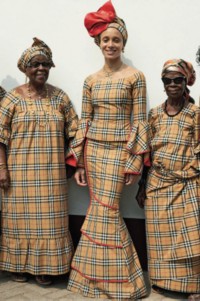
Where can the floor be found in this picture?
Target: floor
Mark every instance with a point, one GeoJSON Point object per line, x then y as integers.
{"type": "Point", "coordinates": [30, 291]}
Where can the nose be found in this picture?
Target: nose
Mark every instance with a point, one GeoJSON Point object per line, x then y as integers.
{"type": "Point", "coordinates": [110, 43]}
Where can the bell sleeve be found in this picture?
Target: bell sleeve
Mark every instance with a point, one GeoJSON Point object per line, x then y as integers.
{"type": "Point", "coordinates": [76, 147]}
{"type": "Point", "coordinates": [137, 144]}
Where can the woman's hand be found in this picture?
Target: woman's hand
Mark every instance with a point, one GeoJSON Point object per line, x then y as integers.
{"type": "Point", "coordinates": [80, 176]}
{"type": "Point", "coordinates": [141, 194]}
{"type": "Point", "coordinates": [130, 179]}
{"type": "Point", "coordinates": [4, 179]}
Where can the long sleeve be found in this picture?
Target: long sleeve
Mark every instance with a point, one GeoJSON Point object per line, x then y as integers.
{"type": "Point", "coordinates": [77, 144]}
{"type": "Point", "coordinates": [138, 141]}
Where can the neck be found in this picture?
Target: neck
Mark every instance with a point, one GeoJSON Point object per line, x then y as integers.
{"type": "Point", "coordinates": [175, 102]}
{"type": "Point", "coordinates": [112, 65]}
{"type": "Point", "coordinates": [37, 91]}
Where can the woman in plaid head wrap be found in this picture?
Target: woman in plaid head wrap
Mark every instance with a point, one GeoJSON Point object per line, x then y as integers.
{"type": "Point", "coordinates": [106, 264]}
{"type": "Point", "coordinates": [172, 202]}
{"type": "Point", "coordinates": [35, 120]}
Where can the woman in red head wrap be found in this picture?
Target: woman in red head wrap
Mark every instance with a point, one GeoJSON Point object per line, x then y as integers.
{"type": "Point", "coordinates": [172, 203]}
{"type": "Point", "coordinates": [113, 134]}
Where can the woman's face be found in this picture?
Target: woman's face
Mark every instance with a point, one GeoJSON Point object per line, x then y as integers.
{"type": "Point", "coordinates": [38, 70]}
{"type": "Point", "coordinates": [111, 43]}
{"type": "Point", "coordinates": [175, 89]}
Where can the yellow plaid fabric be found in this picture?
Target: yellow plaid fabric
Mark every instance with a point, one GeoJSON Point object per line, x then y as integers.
{"type": "Point", "coordinates": [173, 200]}
{"type": "Point", "coordinates": [106, 264]}
{"type": "Point", "coordinates": [115, 110]}
{"type": "Point", "coordinates": [35, 235]}
{"type": "Point", "coordinates": [2, 92]}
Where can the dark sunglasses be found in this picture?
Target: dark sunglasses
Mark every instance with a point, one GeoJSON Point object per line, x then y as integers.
{"type": "Point", "coordinates": [37, 64]}
{"type": "Point", "coordinates": [177, 80]}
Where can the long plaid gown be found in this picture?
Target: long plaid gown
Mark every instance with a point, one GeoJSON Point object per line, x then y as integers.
{"type": "Point", "coordinates": [173, 200]}
{"type": "Point", "coordinates": [106, 264]}
{"type": "Point", "coordinates": [35, 236]}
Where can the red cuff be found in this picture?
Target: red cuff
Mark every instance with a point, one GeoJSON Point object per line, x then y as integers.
{"type": "Point", "coordinates": [71, 161]}
{"type": "Point", "coordinates": [147, 162]}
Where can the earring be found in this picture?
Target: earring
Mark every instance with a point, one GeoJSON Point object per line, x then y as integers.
{"type": "Point", "coordinates": [123, 50]}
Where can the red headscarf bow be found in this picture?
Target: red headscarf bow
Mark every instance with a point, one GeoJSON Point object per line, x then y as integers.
{"type": "Point", "coordinates": [97, 22]}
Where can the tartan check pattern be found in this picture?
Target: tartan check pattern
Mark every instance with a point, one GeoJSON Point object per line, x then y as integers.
{"type": "Point", "coordinates": [105, 264]}
{"type": "Point", "coordinates": [35, 235]}
{"type": "Point", "coordinates": [2, 92]}
{"type": "Point", "coordinates": [114, 110]}
{"type": "Point", "coordinates": [173, 200]}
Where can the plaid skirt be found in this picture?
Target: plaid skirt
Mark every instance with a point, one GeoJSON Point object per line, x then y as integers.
{"type": "Point", "coordinates": [173, 231]}
{"type": "Point", "coordinates": [106, 264]}
{"type": "Point", "coordinates": [35, 236]}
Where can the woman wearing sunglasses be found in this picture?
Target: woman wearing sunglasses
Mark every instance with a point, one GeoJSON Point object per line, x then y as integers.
{"type": "Point", "coordinates": [35, 120]}
{"type": "Point", "coordinates": [173, 186]}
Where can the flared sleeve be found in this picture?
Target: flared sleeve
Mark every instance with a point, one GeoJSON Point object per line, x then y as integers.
{"type": "Point", "coordinates": [75, 155]}
{"type": "Point", "coordinates": [137, 144]}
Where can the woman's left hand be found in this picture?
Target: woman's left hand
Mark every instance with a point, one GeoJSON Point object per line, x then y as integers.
{"type": "Point", "coordinates": [130, 179]}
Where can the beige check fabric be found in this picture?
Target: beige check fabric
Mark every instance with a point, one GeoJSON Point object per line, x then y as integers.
{"type": "Point", "coordinates": [115, 110]}
{"type": "Point", "coordinates": [173, 200]}
{"type": "Point", "coordinates": [106, 264]}
{"type": "Point", "coordinates": [2, 92]}
{"type": "Point", "coordinates": [35, 235]}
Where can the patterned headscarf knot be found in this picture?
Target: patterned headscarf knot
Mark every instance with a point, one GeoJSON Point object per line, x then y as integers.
{"type": "Point", "coordinates": [181, 66]}
{"type": "Point", "coordinates": [105, 17]}
{"type": "Point", "coordinates": [38, 48]}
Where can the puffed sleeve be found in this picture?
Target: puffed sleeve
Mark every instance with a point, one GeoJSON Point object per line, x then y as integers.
{"type": "Point", "coordinates": [7, 108]}
{"type": "Point", "coordinates": [77, 144]}
{"type": "Point", "coordinates": [71, 118]}
{"type": "Point", "coordinates": [137, 144]}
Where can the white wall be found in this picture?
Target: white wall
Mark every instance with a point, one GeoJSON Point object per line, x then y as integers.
{"type": "Point", "coordinates": [158, 30]}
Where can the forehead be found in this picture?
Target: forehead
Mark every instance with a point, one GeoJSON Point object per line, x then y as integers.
{"type": "Point", "coordinates": [173, 74]}
{"type": "Point", "coordinates": [111, 32]}
{"type": "Point", "coordinates": [39, 58]}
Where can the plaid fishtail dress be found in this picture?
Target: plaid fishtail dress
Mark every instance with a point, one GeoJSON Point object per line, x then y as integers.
{"type": "Point", "coordinates": [35, 237]}
{"type": "Point", "coordinates": [173, 200]}
{"type": "Point", "coordinates": [106, 264]}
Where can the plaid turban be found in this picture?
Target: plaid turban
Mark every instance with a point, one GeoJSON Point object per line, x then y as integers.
{"type": "Point", "coordinates": [181, 66]}
{"type": "Point", "coordinates": [38, 48]}
{"type": "Point", "coordinates": [105, 17]}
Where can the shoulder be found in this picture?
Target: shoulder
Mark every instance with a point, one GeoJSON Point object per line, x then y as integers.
{"type": "Point", "coordinates": [136, 74]}
{"type": "Point", "coordinates": [156, 111]}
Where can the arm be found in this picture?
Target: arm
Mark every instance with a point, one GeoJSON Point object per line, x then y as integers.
{"type": "Point", "coordinates": [137, 144]}
{"type": "Point", "coordinates": [4, 173]}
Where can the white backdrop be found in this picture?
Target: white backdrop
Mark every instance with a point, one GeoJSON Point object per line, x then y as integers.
{"type": "Point", "coordinates": [158, 30]}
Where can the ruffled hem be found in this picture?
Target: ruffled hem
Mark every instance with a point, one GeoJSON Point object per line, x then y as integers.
{"type": "Point", "coordinates": [36, 256]}
{"type": "Point", "coordinates": [77, 144]}
{"type": "Point", "coordinates": [138, 140]}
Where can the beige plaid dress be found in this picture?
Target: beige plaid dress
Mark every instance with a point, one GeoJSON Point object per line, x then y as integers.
{"type": "Point", "coordinates": [173, 200]}
{"type": "Point", "coordinates": [106, 264]}
{"type": "Point", "coordinates": [35, 236]}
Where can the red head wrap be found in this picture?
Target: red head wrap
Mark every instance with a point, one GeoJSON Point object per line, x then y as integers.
{"type": "Point", "coordinates": [97, 22]}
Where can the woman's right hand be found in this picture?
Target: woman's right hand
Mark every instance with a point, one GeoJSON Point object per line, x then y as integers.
{"type": "Point", "coordinates": [141, 195]}
{"type": "Point", "coordinates": [80, 176]}
{"type": "Point", "coordinates": [4, 179]}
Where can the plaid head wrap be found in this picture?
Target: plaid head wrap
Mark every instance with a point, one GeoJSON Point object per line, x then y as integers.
{"type": "Point", "coordinates": [38, 48]}
{"type": "Point", "coordinates": [183, 67]}
{"type": "Point", "coordinates": [105, 17]}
